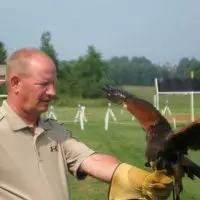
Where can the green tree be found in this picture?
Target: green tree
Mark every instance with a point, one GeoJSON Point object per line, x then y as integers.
{"type": "Point", "coordinates": [47, 46]}
{"type": "Point", "coordinates": [195, 67]}
{"type": "Point", "coordinates": [3, 53]}
{"type": "Point", "coordinates": [183, 66]}
{"type": "Point", "coordinates": [88, 74]}
{"type": "Point", "coordinates": [64, 81]}
{"type": "Point", "coordinates": [187, 65]}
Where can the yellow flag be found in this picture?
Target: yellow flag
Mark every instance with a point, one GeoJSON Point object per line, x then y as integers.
{"type": "Point", "coordinates": [191, 74]}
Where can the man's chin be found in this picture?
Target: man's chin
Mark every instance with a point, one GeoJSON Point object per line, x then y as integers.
{"type": "Point", "coordinates": [43, 107]}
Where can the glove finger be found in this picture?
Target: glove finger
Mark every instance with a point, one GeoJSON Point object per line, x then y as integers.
{"type": "Point", "coordinates": [157, 196]}
{"type": "Point", "coordinates": [159, 189]}
{"type": "Point", "coordinates": [156, 185]}
{"type": "Point", "coordinates": [166, 180]}
{"type": "Point", "coordinates": [162, 178]}
{"type": "Point", "coordinates": [151, 195]}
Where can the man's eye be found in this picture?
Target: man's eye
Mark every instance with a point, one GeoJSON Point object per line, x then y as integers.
{"type": "Point", "coordinates": [43, 84]}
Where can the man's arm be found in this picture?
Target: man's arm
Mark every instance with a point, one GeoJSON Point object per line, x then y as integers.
{"type": "Point", "coordinates": [127, 181]}
{"type": "Point", "coordinates": [100, 166]}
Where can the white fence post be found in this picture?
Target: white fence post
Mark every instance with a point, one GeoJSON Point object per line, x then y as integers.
{"type": "Point", "coordinates": [109, 113]}
{"type": "Point", "coordinates": [80, 116]}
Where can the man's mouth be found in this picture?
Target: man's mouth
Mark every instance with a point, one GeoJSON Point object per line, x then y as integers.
{"type": "Point", "coordinates": [45, 101]}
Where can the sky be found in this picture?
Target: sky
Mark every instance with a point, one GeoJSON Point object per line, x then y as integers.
{"type": "Point", "coordinates": [161, 30]}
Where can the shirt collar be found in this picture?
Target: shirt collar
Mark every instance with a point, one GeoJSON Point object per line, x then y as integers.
{"type": "Point", "coordinates": [15, 121]}
{"type": "Point", "coordinates": [18, 123]}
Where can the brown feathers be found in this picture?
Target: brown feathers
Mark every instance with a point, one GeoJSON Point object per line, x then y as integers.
{"type": "Point", "coordinates": [165, 149]}
{"type": "Point", "coordinates": [144, 111]}
{"type": "Point", "coordinates": [186, 138]}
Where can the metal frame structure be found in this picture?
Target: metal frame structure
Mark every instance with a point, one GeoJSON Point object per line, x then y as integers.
{"type": "Point", "coordinates": [191, 93]}
{"type": "Point", "coordinates": [2, 78]}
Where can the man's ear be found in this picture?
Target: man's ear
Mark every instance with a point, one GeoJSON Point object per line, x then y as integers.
{"type": "Point", "coordinates": [15, 83]}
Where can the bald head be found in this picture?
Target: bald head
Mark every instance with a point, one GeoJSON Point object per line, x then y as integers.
{"type": "Point", "coordinates": [21, 61]}
{"type": "Point", "coordinates": [30, 78]}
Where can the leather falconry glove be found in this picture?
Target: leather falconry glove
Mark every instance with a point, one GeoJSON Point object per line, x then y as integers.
{"type": "Point", "coordinates": [129, 182]}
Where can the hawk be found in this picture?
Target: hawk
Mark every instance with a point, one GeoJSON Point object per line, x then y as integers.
{"type": "Point", "coordinates": [166, 149]}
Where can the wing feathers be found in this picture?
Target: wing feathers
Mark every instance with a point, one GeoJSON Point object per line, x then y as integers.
{"type": "Point", "coordinates": [186, 138]}
{"type": "Point", "coordinates": [153, 121]}
{"type": "Point", "coordinates": [144, 111]}
{"type": "Point", "coordinates": [190, 168]}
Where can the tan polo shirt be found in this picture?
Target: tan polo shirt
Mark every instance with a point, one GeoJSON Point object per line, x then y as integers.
{"type": "Point", "coordinates": [35, 166]}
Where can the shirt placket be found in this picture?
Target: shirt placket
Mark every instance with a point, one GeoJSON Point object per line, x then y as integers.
{"type": "Point", "coordinates": [49, 195]}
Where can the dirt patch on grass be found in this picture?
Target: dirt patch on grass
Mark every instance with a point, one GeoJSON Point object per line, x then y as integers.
{"type": "Point", "coordinates": [181, 117]}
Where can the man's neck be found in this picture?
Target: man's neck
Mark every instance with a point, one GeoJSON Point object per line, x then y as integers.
{"type": "Point", "coordinates": [29, 118]}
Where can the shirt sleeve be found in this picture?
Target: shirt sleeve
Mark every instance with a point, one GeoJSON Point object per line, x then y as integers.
{"type": "Point", "coordinates": [75, 153]}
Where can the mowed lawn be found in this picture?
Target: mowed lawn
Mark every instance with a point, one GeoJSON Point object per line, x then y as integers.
{"type": "Point", "coordinates": [127, 143]}
{"type": "Point", "coordinates": [124, 139]}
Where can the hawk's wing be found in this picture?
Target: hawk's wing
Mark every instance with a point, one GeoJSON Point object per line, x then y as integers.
{"type": "Point", "coordinates": [145, 112]}
{"type": "Point", "coordinates": [186, 138]}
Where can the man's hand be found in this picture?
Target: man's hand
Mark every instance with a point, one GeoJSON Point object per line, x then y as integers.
{"type": "Point", "coordinates": [130, 182]}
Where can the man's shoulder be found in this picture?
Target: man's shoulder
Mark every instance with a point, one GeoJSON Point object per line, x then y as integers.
{"type": "Point", "coordinates": [4, 123]}
{"type": "Point", "coordinates": [48, 123]}
{"type": "Point", "coordinates": [55, 126]}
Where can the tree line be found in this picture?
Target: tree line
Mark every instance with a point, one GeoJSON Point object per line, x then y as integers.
{"type": "Point", "coordinates": [84, 77]}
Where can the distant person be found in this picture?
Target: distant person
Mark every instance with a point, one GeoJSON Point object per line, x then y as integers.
{"type": "Point", "coordinates": [37, 154]}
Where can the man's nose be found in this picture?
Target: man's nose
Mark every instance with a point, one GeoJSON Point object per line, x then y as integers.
{"type": "Point", "coordinates": [51, 91]}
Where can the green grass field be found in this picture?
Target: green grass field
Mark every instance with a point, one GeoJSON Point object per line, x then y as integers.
{"type": "Point", "coordinates": [124, 139]}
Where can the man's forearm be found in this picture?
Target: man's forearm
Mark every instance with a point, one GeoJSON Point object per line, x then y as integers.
{"type": "Point", "coordinates": [100, 166]}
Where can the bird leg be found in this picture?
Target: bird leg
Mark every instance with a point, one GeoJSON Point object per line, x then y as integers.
{"type": "Point", "coordinates": [178, 185]}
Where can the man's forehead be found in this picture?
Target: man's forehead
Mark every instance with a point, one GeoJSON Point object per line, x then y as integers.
{"type": "Point", "coordinates": [42, 65]}
{"type": "Point", "coordinates": [40, 71]}
{"type": "Point", "coordinates": [44, 75]}
{"type": "Point", "coordinates": [42, 59]}
{"type": "Point", "coordinates": [45, 78]}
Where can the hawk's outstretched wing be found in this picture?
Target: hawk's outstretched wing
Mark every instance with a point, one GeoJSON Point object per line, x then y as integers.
{"type": "Point", "coordinates": [186, 138]}
{"type": "Point", "coordinates": [145, 112]}
{"type": "Point", "coordinates": [149, 117]}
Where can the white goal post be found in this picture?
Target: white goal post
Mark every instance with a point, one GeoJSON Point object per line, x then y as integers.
{"type": "Point", "coordinates": [1, 83]}
{"type": "Point", "coordinates": [191, 93]}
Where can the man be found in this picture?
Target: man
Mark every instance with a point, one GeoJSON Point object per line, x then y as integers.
{"type": "Point", "coordinates": [37, 154]}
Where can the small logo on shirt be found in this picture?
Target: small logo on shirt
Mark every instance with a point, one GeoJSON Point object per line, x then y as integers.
{"type": "Point", "coordinates": [53, 146]}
